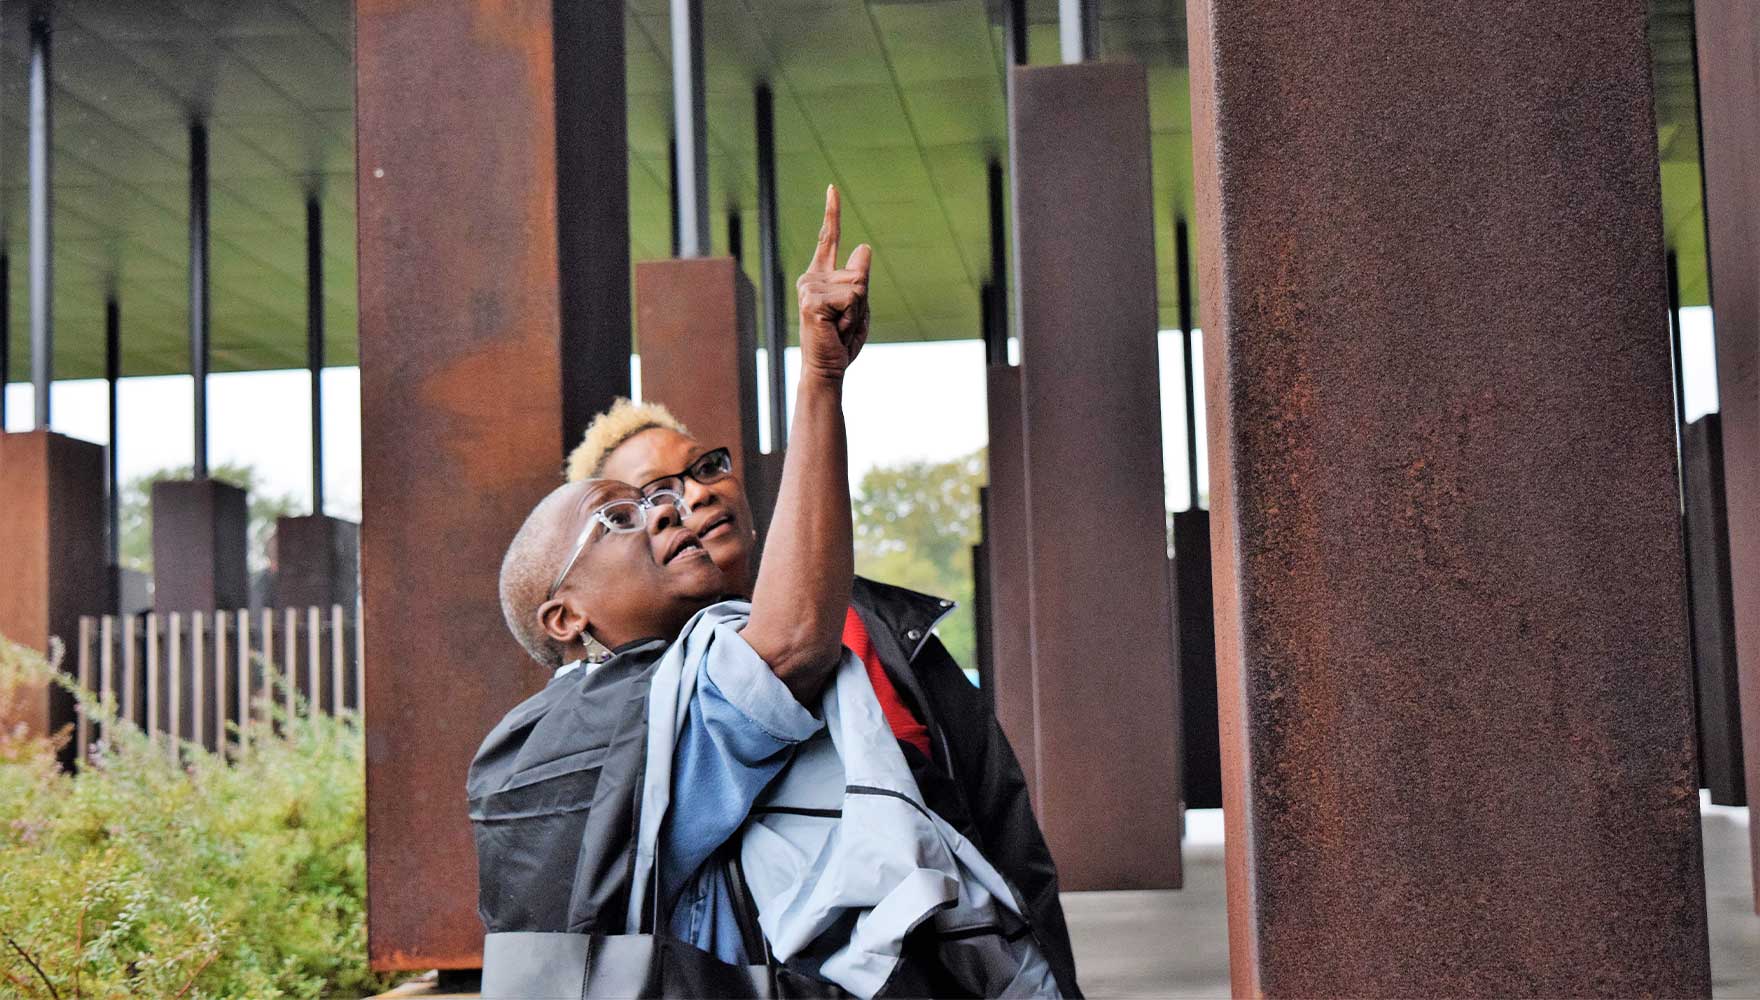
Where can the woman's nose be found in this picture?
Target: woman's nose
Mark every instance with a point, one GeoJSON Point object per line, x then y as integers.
{"type": "Point", "coordinates": [698, 495]}
{"type": "Point", "coordinates": [662, 516]}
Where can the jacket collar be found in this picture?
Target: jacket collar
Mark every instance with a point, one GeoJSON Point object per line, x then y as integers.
{"type": "Point", "coordinates": [905, 615]}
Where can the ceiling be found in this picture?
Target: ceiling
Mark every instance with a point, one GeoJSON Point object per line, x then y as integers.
{"type": "Point", "coordinates": [903, 116]}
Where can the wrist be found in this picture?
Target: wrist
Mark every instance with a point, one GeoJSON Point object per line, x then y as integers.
{"type": "Point", "coordinates": [818, 378]}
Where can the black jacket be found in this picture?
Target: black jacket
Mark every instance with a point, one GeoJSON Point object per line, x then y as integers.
{"type": "Point", "coordinates": [553, 788]}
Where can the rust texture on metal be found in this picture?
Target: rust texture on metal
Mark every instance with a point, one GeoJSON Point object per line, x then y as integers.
{"type": "Point", "coordinates": [1714, 632]}
{"type": "Point", "coordinates": [200, 528]}
{"type": "Point", "coordinates": [316, 561]}
{"type": "Point", "coordinates": [464, 354]}
{"type": "Point", "coordinates": [1194, 612]}
{"type": "Point", "coordinates": [1456, 717]}
{"type": "Point", "coordinates": [52, 521]}
{"type": "Point", "coordinates": [1005, 547]}
{"type": "Point", "coordinates": [1106, 702]}
{"type": "Point", "coordinates": [1728, 34]}
{"type": "Point", "coordinates": [696, 324]}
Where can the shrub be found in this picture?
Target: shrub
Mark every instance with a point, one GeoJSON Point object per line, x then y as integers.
{"type": "Point", "coordinates": [160, 874]}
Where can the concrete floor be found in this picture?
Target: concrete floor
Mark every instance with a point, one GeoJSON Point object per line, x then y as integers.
{"type": "Point", "coordinates": [1175, 944]}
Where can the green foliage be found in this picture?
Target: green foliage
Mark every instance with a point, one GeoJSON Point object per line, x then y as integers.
{"type": "Point", "coordinates": [134, 513]}
{"type": "Point", "coordinates": [140, 875]}
{"type": "Point", "coordinates": [915, 525]}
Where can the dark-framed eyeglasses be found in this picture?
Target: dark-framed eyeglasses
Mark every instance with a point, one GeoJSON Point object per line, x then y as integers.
{"type": "Point", "coordinates": [619, 517]}
{"type": "Point", "coordinates": [709, 467]}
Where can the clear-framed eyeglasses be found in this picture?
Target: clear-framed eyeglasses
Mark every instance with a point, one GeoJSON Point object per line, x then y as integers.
{"type": "Point", "coordinates": [619, 517]}
{"type": "Point", "coordinates": [709, 467]}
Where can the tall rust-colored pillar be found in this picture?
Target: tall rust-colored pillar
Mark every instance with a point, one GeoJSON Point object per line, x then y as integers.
{"type": "Point", "coordinates": [1729, 114]}
{"type": "Point", "coordinates": [200, 532]}
{"type": "Point", "coordinates": [494, 319]}
{"type": "Point", "coordinates": [696, 329]}
{"type": "Point", "coordinates": [317, 560]}
{"type": "Point", "coordinates": [1107, 711]}
{"type": "Point", "coordinates": [1005, 546]}
{"type": "Point", "coordinates": [52, 520]}
{"type": "Point", "coordinates": [1456, 716]}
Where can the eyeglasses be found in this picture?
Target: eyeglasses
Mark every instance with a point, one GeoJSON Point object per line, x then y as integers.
{"type": "Point", "coordinates": [709, 467]}
{"type": "Point", "coordinates": [620, 517]}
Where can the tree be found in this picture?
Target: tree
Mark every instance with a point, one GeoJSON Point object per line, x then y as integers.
{"type": "Point", "coordinates": [135, 514]}
{"type": "Point", "coordinates": [915, 525]}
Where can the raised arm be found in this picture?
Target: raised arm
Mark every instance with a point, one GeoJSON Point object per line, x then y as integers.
{"type": "Point", "coordinates": [803, 587]}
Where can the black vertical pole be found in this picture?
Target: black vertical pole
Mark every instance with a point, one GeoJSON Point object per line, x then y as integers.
{"type": "Point", "coordinates": [689, 128]}
{"type": "Point", "coordinates": [198, 289]}
{"type": "Point", "coordinates": [996, 327]}
{"type": "Point", "coordinates": [736, 236]}
{"type": "Point", "coordinates": [672, 193]}
{"type": "Point", "coordinates": [5, 331]}
{"type": "Point", "coordinates": [1182, 262]}
{"type": "Point", "coordinates": [315, 340]}
{"type": "Point", "coordinates": [1014, 41]}
{"type": "Point", "coordinates": [1674, 336]}
{"type": "Point", "coordinates": [113, 374]}
{"type": "Point", "coordinates": [42, 218]}
{"type": "Point", "coordinates": [770, 269]}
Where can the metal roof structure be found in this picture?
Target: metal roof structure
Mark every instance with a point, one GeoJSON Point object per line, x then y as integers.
{"type": "Point", "coordinates": [900, 102]}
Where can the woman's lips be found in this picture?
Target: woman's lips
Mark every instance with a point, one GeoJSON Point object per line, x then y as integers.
{"type": "Point", "coordinates": [717, 529]}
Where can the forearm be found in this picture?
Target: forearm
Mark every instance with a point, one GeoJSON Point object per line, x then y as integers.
{"type": "Point", "coordinates": [803, 589]}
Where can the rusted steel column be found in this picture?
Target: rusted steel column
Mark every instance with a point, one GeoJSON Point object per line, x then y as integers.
{"type": "Point", "coordinates": [52, 532]}
{"type": "Point", "coordinates": [200, 528]}
{"type": "Point", "coordinates": [1102, 629]}
{"type": "Point", "coordinates": [317, 560]}
{"type": "Point", "coordinates": [1714, 633]}
{"type": "Point", "coordinates": [696, 329]}
{"type": "Point", "coordinates": [1729, 112]}
{"type": "Point", "coordinates": [1456, 716]}
{"type": "Point", "coordinates": [490, 166]}
{"type": "Point", "coordinates": [1005, 547]}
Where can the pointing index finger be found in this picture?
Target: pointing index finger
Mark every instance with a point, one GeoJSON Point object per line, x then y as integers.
{"type": "Point", "coordinates": [825, 254]}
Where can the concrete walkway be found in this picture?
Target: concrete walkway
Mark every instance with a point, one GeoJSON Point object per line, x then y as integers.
{"type": "Point", "coordinates": [1175, 944]}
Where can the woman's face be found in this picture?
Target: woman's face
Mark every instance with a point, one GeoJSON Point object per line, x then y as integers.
{"type": "Point", "coordinates": [720, 514]}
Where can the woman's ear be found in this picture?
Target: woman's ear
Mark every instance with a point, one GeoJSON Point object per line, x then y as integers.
{"type": "Point", "coordinates": [563, 623]}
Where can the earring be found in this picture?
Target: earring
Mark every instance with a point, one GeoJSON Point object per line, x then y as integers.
{"type": "Point", "coordinates": [596, 651]}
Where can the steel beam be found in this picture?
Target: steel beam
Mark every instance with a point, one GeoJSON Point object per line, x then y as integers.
{"type": "Point", "coordinates": [736, 236]}
{"type": "Point", "coordinates": [696, 326]}
{"type": "Point", "coordinates": [5, 333]}
{"type": "Point", "coordinates": [52, 531]}
{"type": "Point", "coordinates": [41, 169]}
{"type": "Point", "coordinates": [995, 291]}
{"type": "Point", "coordinates": [770, 272]}
{"type": "Point", "coordinates": [1728, 49]}
{"type": "Point", "coordinates": [1713, 612]}
{"type": "Point", "coordinates": [198, 289]}
{"type": "Point", "coordinates": [1456, 719]}
{"type": "Point", "coordinates": [1107, 736]}
{"type": "Point", "coordinates": [315, 341]}
{"type": "Point", "coordinates": [1006, 548]}
{"type": "Point", "coordinates": [494, 285]}
{"type": "Point", "coordinates": [112, 475]}
{"type": "Point", "coordinates": [689, 129]}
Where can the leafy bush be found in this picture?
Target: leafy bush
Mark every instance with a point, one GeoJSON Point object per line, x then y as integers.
{"type": "Point", "coordinates": [151, 874]}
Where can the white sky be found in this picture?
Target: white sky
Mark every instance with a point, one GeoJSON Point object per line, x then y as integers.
{"type": "Point", "coordinates": [904, 402]}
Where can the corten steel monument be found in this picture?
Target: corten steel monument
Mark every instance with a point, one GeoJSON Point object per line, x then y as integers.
{"type": "Point", "coordinates": [1728, 47]}
{"type": "Point", "coordinates": [1106, 713]}
{"type": "Point", "coordinates": [1456, 715]}
{"type": "Point", "coordinates": [494, 282]}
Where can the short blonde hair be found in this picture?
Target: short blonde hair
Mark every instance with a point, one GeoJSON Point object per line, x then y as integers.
{"type": "Point", "coordinates": [624, 420]}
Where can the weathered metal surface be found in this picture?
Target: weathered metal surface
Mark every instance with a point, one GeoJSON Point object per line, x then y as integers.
{"type": "Point", "coordinates": [696, 331]}
{"type": "Point", "coordinates": [1194, 613]}
{"type": "Point", "coordinates": [473, 366]}
{"type": "Point", "coordinates": [1714, 627]}
{"type": "Point", "coordinates": [1729, 47]}
{"type": "Point", "coordinates": [199, 539]}
{"type": "Point", "coordinates": [1101, 623]}
{"type": "Point", "coordinates": [1005, 547]}
{"type": "Point", "coordinates": [1456, 719]}
{"type": "Point", "coordinates": [317, 561]}
{"type": "Point", "coordinates": [52, 534]}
